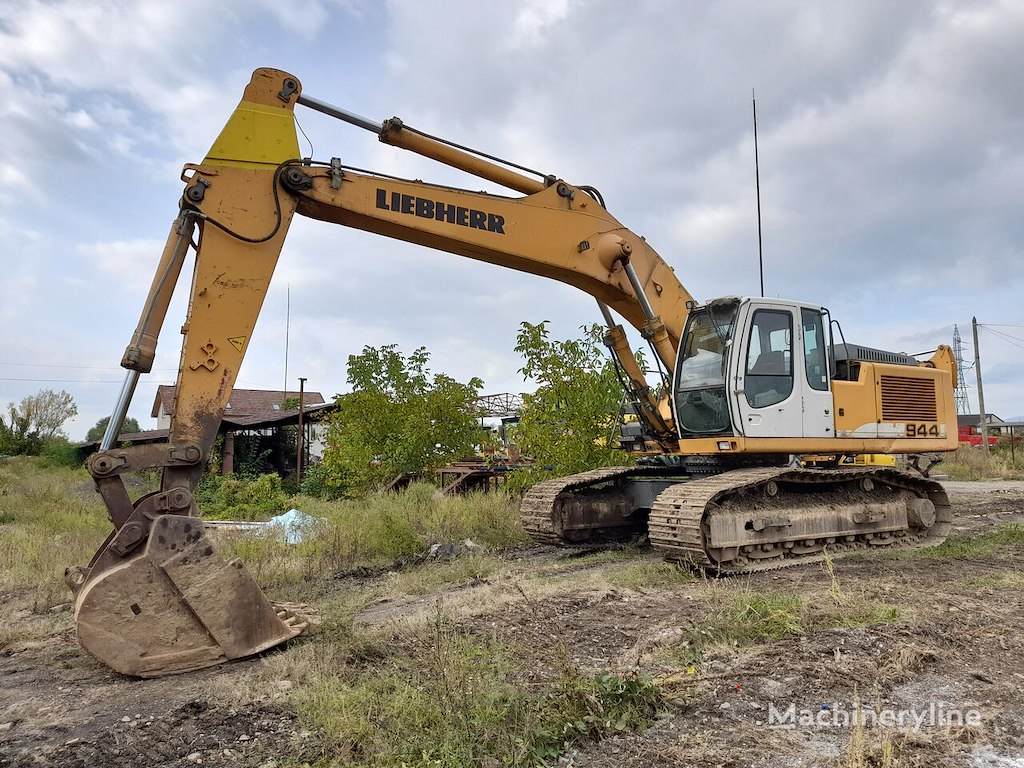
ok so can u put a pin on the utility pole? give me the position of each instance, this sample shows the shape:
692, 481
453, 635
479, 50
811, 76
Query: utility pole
981, 394
298, 451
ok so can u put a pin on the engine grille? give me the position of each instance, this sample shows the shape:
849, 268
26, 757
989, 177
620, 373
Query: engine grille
908, 399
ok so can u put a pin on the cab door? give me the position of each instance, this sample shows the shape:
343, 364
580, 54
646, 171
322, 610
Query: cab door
818, 409
767, 400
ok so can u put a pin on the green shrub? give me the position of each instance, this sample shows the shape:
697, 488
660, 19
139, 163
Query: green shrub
58, 452
316, 482
234, 498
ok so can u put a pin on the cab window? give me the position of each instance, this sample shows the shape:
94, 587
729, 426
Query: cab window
701, 407
769, 367
814, 350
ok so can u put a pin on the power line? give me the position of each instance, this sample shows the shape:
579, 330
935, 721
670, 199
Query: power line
62, 381
1013, 340
1002, 333
77, 367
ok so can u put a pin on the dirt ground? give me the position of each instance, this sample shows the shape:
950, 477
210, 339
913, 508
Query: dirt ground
958, 647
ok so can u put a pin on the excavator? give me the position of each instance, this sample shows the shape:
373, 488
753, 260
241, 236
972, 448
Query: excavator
748, 387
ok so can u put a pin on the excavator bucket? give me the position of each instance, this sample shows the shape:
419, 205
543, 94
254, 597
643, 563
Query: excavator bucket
177, 606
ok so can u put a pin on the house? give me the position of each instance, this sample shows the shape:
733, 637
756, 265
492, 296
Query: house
253, 427
969, 428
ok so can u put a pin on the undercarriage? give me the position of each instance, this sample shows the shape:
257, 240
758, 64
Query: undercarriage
741, 520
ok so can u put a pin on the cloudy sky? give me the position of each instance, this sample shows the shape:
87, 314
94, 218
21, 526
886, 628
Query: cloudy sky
891, 142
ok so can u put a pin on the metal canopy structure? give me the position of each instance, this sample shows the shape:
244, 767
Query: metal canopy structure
501, 406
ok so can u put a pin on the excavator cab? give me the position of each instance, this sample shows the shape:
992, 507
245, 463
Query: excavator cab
754, 367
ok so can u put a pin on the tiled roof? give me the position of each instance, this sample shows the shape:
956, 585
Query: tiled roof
246, 405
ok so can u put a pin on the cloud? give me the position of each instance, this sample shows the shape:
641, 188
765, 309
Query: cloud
130, 262
892, 160
1004, 373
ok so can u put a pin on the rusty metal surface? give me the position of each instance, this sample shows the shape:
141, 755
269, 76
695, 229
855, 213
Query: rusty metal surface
177, 606
852, 516
556, 511
477, 474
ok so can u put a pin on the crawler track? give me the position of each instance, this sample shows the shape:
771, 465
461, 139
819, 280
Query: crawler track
543, 508
744, 520
806, 512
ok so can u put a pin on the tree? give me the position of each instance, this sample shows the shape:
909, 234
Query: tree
36, 420
48, 410
97, 432
569, 424
398, 418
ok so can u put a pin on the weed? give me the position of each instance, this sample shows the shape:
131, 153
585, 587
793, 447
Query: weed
864, 614
1010, 580
960, 546
834, 588
846, 610
581, 708
381, 530
650, 575
444, 698
11, 636
238, 498
52, 518
973, 463
743, 619
988, 543
908, 660
470, 568
767, 616
871, 749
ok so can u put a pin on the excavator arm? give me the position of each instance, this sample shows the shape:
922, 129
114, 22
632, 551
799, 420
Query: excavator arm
157, 598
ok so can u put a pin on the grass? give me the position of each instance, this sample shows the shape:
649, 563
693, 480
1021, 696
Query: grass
50, 518
736, 620
470, 568
992, 541
1012, 580
426, 691
743, 618
959, 546
392, 525
846, 610
388, 530
862, 613
442, 697
886, 747
972, 463
651, 576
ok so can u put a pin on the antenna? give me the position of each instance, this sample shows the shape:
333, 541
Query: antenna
757, 181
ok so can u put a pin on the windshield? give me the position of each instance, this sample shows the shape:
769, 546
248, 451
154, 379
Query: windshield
701, 363
701, 405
